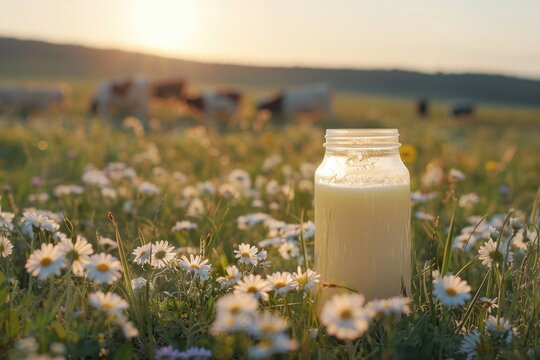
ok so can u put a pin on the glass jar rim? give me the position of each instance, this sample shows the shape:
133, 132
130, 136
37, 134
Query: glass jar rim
362, 138
361, 132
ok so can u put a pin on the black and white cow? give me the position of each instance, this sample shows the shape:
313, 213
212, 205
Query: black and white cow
313, 99
213, 103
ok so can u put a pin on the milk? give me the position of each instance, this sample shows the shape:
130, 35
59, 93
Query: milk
362, 238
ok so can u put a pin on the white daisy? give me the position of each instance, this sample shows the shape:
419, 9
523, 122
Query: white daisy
306, 281
249, 220
6, 221
190, 192
246, 254
305, 185
420, 215
95, 177
271, 162
142, 254
67, 190
282, 282
272, 188
206, 187
421, 198
464, 241
268, 347
103, 268
235, 312
35, 220
196, 208
107, 242
499, 328
240, 179
45, 261
468, 201
180, 177
162, 254
107, 302
392, 306
195, 265
109, 193
488, 253
6, 247
433, 176
128, 329
522, 239
231, 277
451, 290
268, 324
228, 191
148, 188
77, 253
184, 225
255, 285
491, 304
288, 250
138, 284
344, 316
470, 344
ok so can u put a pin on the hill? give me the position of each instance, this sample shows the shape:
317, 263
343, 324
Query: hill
29, 59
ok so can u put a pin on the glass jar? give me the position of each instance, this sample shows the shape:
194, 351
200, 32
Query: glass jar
362, 214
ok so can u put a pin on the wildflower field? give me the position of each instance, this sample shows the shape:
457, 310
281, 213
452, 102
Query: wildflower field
169, 239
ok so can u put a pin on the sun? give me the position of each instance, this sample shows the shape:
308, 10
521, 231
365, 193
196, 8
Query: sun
166, 26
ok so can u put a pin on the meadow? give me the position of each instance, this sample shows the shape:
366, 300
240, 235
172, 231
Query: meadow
144, 226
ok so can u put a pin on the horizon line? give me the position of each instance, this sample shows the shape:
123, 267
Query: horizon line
204, 60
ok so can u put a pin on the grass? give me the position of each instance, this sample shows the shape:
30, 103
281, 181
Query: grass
497, 151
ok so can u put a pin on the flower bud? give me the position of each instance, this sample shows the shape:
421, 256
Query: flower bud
493, 233
516, 223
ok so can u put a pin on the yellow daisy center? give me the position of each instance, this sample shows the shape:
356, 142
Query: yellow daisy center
252, 289
46, 261
102, 267
107, 306
235, 309
267, 328
245, 254
450, 292
345, 314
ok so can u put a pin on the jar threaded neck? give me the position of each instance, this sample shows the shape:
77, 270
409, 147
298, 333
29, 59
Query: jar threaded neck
384, 139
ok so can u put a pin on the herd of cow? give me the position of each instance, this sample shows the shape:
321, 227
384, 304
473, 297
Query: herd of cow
133, 95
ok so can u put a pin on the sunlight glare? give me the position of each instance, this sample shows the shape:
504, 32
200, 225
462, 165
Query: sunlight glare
166, 26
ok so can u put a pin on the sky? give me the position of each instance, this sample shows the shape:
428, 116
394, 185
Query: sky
496, 36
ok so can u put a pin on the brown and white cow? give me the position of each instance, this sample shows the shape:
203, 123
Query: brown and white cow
132, 95
313, 99
215, 103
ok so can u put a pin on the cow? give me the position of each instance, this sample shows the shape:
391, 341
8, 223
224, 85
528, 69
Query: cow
214, 103
169, 90
34, 98
462, 108
422, 107
309, 99
129, 95
132, 95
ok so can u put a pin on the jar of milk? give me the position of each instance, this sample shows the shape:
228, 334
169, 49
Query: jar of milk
362, 214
